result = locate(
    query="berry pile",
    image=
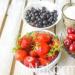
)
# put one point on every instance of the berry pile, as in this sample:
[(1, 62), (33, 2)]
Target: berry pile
[(69, 42), (41, 17), (37, 49)]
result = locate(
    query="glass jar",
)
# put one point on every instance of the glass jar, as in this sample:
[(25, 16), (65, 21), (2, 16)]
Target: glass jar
[(68, 21)]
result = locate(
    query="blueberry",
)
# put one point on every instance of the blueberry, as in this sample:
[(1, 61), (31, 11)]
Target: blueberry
[(44, 22), (55, 15), (44, 9), (30, 15), (55, 19), (33, 10), (36, 25), (55, 11), (28, 11), (40, 26), (28, 20), (51, 14), (41, 16), (35, 22), (32, 18), (50, 19), (48, 16), (50, 24), (53, 22), (36, 14), (37, 17)]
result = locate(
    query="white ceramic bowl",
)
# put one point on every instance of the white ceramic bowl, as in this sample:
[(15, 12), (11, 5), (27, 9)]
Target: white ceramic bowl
[(39, 4), (44, 68)]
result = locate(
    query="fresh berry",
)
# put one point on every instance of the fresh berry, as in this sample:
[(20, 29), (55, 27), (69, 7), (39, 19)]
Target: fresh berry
[(29, 61), (43, 37), (71, 36), (26, 42), (70, 30), (33, 53), (67, 42), (72, 48), (42, 49), (43, 61), (42, 17), (21, 55), (32, 49)]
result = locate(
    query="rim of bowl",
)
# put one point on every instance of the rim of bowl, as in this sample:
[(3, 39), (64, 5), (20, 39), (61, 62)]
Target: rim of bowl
[(67, 4), (58, 18), (49, 65)]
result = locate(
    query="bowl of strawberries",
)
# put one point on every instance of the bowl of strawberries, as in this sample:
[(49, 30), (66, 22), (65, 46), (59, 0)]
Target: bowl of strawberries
[(38, 50), (69, 41)]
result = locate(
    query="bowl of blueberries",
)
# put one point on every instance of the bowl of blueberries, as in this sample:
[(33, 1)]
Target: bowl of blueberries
[(41, 15)]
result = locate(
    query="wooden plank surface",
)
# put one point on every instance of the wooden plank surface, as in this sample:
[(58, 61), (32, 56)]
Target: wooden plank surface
[(3, 9), (4, 6), (9, 35), (13, 23)]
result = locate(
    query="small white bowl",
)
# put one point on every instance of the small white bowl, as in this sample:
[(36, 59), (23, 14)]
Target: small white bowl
[(39, 4), (44, 68)]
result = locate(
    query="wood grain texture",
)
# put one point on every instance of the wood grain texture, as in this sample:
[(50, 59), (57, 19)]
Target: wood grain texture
[(3, 14)]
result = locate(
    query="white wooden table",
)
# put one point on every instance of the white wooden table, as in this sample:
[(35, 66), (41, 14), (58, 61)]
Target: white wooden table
[(11, 24)]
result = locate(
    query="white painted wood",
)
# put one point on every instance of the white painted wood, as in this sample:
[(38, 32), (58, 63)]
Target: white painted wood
[(19, 70), (3, 8), (7, 42), (8, 37), (73, 1)]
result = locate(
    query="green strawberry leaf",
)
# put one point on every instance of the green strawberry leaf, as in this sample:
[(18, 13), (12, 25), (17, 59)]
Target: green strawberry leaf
[(56, 36), (19, 37), (16, 48)]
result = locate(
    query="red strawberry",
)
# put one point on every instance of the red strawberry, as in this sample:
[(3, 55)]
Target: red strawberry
[(33, 53), (42, 49), (20, 55), (43, 61), (29, 61), (26, 42), (43, 37), (51, 58)]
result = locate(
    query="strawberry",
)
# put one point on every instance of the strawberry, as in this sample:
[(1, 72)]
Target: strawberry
[(29, 62), (42, 49), (26, 42), (50, 58), (33, 53), (21, 55), (43, 37), (43, 61)]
